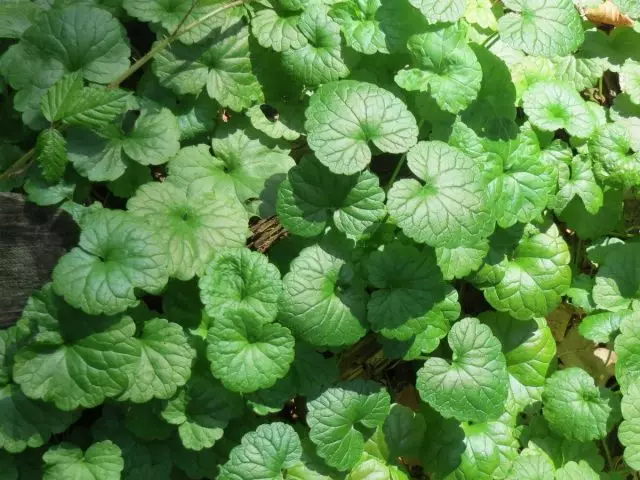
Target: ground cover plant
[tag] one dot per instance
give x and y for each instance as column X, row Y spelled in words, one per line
column 326, row 239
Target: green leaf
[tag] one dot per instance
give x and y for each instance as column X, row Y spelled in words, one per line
column 165, row 362
column 574, row 406
column 630, row 80
column 531, row 465
column 602, row 327
column 277, row 29
column 101, row 461
column 399, row 20
column 629, row 7
column 202, row 410
column 483, row 13
column 312, row 196
column 618, row 280
column 444, row 65
column 613, row 163
column 474, row 385
column 625, row 113
column 458, row 262
column 247, row 354
column 536, row 276
column 374, row 468
column 15, row 17
column 264, row 453
column 190, row 227
column 404, row 431
column 324, row 299
column 542, row 27
column 529, row 348
column 450, row 209
column 74, row 360
column 581, row 183
column 554, row 105
column 409, row 287
column 286, row 123
column 221, row 62
column 341, row 417
column 627, row 347
column 360, row 25
column 241, row 278
column 520, row 181
column 172, row 15
column 386, row 122
column 323, row 58
column 76, row 38
column 589, row 226
column 103, row 155
column 133, row 178
column 27, row 423
column 629, row 430
column 7, row 465
column 577, row 471
column 117, row 255
column 440, row 11
column 72, row 103
column 579, row 70
column 51, row 152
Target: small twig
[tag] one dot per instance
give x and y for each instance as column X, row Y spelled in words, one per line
column 607, row 453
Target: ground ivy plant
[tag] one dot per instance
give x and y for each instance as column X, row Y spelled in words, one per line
column 452, row 290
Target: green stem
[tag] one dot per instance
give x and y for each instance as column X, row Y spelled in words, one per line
column 490, row 40
column 600, row 89
column 396, row 171
column 578, row 256
column 607, row 454
column 24, row 161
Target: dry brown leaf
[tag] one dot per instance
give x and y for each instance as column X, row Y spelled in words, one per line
column 559, row 319
column 577, row 351
column 608, row 14
column 409, row 397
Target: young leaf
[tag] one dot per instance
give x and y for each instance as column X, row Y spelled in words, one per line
column 386, row 122
column 553, row 106
column 577, row 471
column 531, row 465
column 311, row 196
column 241, row 278
column 277, row 29
column 360, row 27
column 582, row 183
column 340, row 417
column 444, row 65
column 610, row 147
column 247, row 354
column 264, row 453
column 603, row 327
column 574, row 407
column 542, row 27
column 409, row 287
column 190, row 227
column 458, row 262
column 202, row 410
column 165, row 362
column 27, row 423
column 474, row 385
column 117, row 255
column 450, row 209
column 323, row 300
column 441, row 11
column 221, row 62
column 74, row 360
column 51, row 151
column 536, row 276
column 102, row 460
column 618, row 280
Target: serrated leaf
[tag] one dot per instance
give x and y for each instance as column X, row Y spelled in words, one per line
column 74, row 360
column 264, row 453
column 602, row 327
column 221, row 62
column 246, row 354
column 589, row 226
column 610, row 147
column 617, row 281
column 51, row 152
column 399, row 20
column 404, row 431
column 277, row 29
column 117, row 255
column 536, row 276
column 553, row 105
column 483, row 13
column 340, row 417
column 531, row 465
column 458, row 262
column 201, row 410
column 474, row 385
column 581, row 183
column 450, row 208
column 629, row 430
column 70, row 102
column 625, row 113
column 287, row 123
column 190, row 227
column 102, row 460
column 542, row 27
column 629, row 7
column 440, row 11
column 444, row 65
column 360, row 25
column 323, row 58
column 630, row 80
column 574, row 407
column 324, row 299
column 241, row 278
column 408, row 288
column 27, row 423
column 312, row 196
column 627, row 347
column 44, row 193
column 165, row 362
column 386, row 122
column 16, row 16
